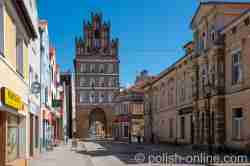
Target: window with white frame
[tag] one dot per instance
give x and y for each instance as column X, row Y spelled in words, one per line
column 171, row 125
column 236, row 68
column 101, row 97
column 92, row 97
column 83, row 67
column 92, row 82
column 82, row 81
column 182, row 127
column 110, row 97
column 82, row 97
column 101, row 82
column 110, row 68
column 237, row 120
column 19, row 56
column 101, row 68
column 92, row 68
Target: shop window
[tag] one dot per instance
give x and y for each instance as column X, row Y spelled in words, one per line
column 12, row 138
column 237, row 123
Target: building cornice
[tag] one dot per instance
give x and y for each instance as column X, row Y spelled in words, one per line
column 25, row 18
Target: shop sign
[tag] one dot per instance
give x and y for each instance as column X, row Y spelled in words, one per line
column 11, row 99
column 56, row 103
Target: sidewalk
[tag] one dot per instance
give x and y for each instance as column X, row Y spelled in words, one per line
column 61, row 156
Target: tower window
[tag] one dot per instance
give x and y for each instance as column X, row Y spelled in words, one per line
column 97, row 34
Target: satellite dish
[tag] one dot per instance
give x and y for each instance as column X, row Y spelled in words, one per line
column 35, row 88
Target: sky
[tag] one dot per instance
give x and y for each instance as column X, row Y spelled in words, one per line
column 151, row 32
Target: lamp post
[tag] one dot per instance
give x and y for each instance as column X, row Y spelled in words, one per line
column 209, row 87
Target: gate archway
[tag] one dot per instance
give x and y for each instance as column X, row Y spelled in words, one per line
column 97, row 123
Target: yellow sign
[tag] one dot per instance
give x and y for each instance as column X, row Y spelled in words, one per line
column 10, row 99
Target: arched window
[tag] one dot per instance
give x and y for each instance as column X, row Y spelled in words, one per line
column 92, row 68
column 101, row 82
column 110, row 68
column 111, row 82
column 83, row 67
column 101, row 97
column 92, row 82
column 82, row 81
column 92, row 97
column 82, row 97
column 110, row 97
column 101, row 69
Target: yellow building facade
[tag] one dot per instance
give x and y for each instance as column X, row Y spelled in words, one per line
column 16, row 31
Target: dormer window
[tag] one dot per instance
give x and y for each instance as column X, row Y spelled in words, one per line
column 247, row 21
column 234, row 30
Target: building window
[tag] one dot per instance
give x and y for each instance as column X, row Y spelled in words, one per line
column 92, row 82
column 234, row 30
column 1, row 31
column 111, row 82
column 101, row 82
column 46, row 96
column 19, row 56
column 92, row 68
column 101, row 97
column 236, row 69
column 110, row 98
column 92, row 97
column 182, row 127
column 83, row 67
column 97, row 43
column 82, row 81
column 237, row 123
column 126, row 131
column 247, row 21
column 110, row 68
column 213, row 35
column 101, row 68
column 171, row 122
column 37, row 131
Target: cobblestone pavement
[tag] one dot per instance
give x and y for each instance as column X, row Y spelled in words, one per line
column 105, row 153
column 61, row 156
column 108, row 153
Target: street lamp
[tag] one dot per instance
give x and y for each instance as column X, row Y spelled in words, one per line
column 209, row 87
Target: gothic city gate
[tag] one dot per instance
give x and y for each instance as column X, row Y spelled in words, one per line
column 97, row 123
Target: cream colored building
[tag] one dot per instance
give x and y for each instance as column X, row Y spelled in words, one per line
column 16, row 32
column 209, row 104
column 212, row 71
column 237, row 81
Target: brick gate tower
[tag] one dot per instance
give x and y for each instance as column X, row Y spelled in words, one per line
column 96, row 78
